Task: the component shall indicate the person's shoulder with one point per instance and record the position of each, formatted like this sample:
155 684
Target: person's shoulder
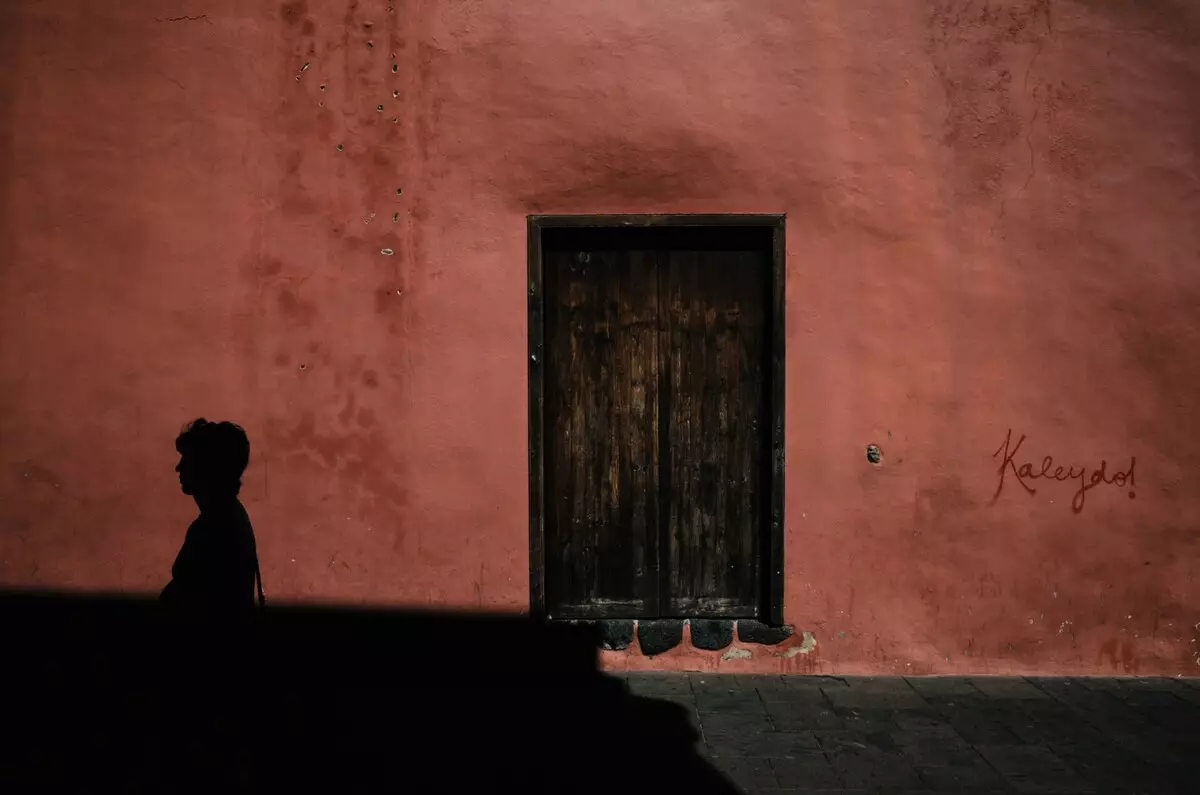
197 526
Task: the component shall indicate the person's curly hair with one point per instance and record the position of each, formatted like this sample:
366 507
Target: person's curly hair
220 452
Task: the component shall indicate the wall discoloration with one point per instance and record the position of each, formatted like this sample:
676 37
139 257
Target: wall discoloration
736 653
991 225
808 643
975 47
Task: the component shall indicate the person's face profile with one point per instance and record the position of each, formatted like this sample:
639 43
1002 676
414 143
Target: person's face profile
187 475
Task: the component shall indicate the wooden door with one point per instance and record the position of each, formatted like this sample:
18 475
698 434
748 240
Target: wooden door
715 456
601 393
656 424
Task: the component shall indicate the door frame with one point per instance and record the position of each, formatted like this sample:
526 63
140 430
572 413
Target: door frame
773 565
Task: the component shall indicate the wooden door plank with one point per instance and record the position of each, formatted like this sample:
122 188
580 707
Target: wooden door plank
601 439
716 369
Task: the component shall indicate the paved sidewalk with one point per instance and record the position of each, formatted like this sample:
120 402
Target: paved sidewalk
801 734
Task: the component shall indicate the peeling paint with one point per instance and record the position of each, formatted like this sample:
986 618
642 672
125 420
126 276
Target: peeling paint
808 642
737 653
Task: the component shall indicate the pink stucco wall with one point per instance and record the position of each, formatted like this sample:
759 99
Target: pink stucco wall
992 225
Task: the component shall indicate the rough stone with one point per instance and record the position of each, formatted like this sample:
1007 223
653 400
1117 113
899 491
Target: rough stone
751 631
656 637
615 634
711 635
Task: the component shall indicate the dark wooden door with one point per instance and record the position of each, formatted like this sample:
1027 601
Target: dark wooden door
656 424
601 423
715 451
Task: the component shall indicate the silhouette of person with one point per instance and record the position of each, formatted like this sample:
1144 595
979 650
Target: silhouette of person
217 566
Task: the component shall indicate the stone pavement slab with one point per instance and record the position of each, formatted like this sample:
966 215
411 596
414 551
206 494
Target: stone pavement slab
810 734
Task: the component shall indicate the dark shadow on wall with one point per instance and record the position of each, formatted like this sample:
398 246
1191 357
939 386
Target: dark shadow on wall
217 567
115 695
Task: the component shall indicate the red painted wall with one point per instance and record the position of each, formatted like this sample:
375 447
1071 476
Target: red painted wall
991 225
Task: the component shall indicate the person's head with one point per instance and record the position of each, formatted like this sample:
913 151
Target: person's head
212 458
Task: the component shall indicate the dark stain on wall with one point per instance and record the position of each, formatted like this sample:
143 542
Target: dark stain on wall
294 310
347 413
292 13
1117 655
1170 20
570 172
971 48
942 504
369 473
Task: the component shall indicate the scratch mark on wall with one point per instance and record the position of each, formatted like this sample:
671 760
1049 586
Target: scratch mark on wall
1041 45
1029 142
196 18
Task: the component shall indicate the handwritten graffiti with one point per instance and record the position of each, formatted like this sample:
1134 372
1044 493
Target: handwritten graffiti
1026 473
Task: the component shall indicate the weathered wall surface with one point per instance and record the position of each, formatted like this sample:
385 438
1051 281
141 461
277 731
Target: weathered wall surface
992 225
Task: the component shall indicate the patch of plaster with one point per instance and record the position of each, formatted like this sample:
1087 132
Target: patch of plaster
808 642
736 653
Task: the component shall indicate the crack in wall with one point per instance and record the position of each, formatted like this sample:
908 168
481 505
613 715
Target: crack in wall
196 18
1039 101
